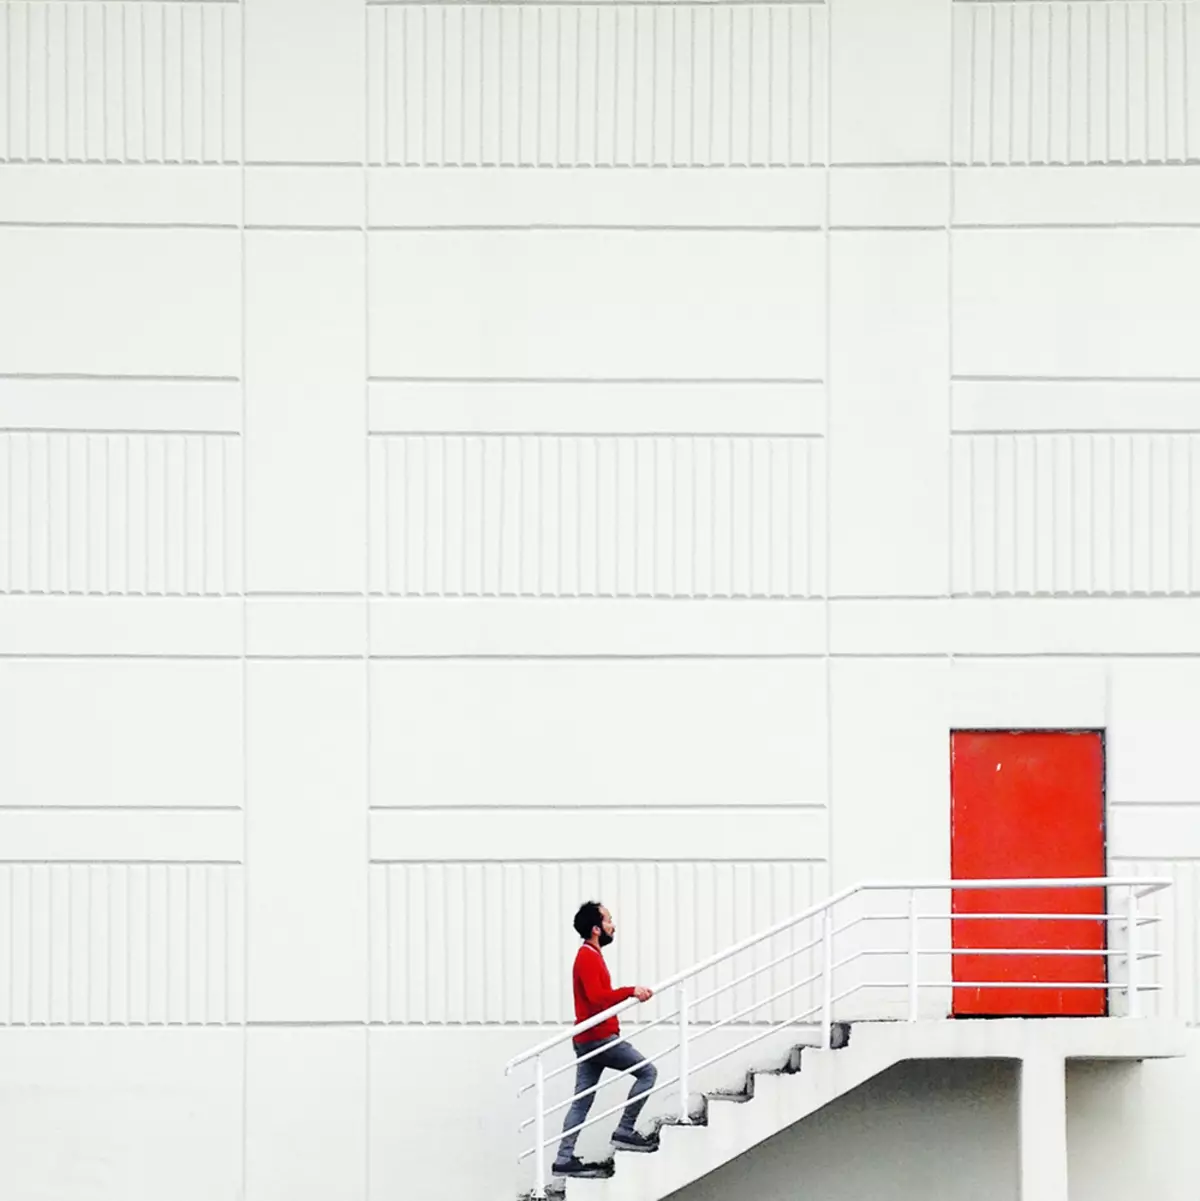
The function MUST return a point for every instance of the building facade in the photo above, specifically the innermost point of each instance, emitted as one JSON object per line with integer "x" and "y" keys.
{"x": 463, "y": 458}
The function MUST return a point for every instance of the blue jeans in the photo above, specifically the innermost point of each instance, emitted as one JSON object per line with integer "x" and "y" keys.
{"x": 616, "y": 1056}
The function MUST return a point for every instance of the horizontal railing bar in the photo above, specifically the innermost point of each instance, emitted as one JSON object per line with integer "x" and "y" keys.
{"x": 1147, "y": 884}
{"x": 1143, "y": 886}
{"x": 757, "y": 1005}
{"x": 1110, "y": 986}
{"x": 766, "y": 967}
{"x": 1035, "y": 917}
{"x": 1115, "y": 954}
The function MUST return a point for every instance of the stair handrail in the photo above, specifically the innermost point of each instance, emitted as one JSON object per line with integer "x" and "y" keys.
{"x": 679, "y": 977}
{"x": 1142, "y": 886}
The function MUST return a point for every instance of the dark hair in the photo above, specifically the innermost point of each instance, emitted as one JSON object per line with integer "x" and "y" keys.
{"x": 587, "y": 919}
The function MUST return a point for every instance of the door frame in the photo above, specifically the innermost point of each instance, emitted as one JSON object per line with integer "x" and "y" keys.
{"x": 1102, "y": 731}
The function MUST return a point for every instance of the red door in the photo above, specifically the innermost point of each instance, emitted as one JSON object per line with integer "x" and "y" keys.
{"x": 1027, "y": 805}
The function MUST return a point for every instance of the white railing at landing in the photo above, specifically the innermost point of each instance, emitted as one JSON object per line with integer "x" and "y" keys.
{"x": 1124, "y": 978}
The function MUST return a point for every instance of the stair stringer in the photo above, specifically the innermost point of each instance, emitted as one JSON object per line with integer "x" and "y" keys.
{"x": 773, "y": 1100}
{"x": 737, "y": 1122}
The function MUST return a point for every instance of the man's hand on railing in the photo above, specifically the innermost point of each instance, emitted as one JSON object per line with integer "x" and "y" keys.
{"x": 643, "y": 994}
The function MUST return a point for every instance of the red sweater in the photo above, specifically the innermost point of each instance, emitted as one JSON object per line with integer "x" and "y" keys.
{"x": 594, "y": 993}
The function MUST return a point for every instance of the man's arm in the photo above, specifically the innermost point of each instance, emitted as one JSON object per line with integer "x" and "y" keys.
{"x": 599, "y": 993}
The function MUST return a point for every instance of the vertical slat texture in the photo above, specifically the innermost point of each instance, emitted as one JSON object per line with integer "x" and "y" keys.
{"x": 1075, "y": 514}
{"x": 136, "y": 82}
{"x": 1075, "y": 81}
{"x": 120, "y": 514}
{"x": 121, "y": 944}
{"x": 435, "y": 959}
{"x": 525, "y": 515}
{"x": 597, "y": 85}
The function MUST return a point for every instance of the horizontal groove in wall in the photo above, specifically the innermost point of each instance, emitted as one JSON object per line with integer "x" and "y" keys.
{"x": 210, "y": 836}
{"x": 595, "y": 627}
{"x": 98, "y": 195}
{"x": 484, "y": 630}
{"x": 1016, "y": 406}
{"x": 577, "y": 3}
{"x": 116, "y": 376}
{"x": 1138, "y": 829}
{"x": 562, "y": 85}
{"x": 631, "y": 199}
{"x": 550, "y": 227}
{"x": 429, "y": 837}
{"x": 135, "y": 407}
{"x": 593, "y": 380}
{"x": 1070, "y": 197}
{"x": 19, "y": 807}
{"x": 93, "y": 224}
{"x": 434, "y": 958}
{"x": 1083, "y": 627}
{"x": 541, "y": 409}
{"x": 1076, "y": 379}
{"x": 731, "y": 809}
{"x": 312, "y": 626}
{"x": 80, "y": 627}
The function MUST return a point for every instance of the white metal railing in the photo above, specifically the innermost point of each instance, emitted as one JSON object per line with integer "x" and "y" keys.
{"x": 826, "y": 942}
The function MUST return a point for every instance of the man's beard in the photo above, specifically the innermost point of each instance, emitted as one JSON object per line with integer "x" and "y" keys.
{"x": 605, "y": 939}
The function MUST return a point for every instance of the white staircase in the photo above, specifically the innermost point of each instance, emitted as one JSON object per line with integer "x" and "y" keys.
{"x": 772, "y": 1100}
{"x": 905, "y": 948}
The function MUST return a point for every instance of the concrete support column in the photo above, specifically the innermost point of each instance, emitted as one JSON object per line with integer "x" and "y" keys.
{"x": 1043, "y": 1128}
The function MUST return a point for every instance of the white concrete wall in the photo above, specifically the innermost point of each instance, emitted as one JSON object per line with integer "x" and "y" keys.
{"x": 458, "y": 458}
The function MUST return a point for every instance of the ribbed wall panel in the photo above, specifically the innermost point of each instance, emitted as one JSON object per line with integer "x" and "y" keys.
{"x": 535, "y": 515}
{"x": 1089, "y": 82}
{"x": 120, "y": 513}
{"x": 138, "y": 82}
{"x": 121, "y": 944}
{"x": 455, "y": 943}
{"x": 1086, "y": 513}
{"x": 597, "y": 85}
{"x": 1177, "y": 936}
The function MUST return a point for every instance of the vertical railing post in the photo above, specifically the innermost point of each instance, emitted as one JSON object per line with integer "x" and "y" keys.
{"x": 827, "y": 978}
{"x": 1134, "y": 1002}
{"x": 539, "y": 1132}
{"x": 683, "y": 1054}
{"x": 913, "y": 957}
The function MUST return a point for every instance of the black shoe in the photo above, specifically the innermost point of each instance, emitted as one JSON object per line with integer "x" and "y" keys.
{"x": 633, "y": 1141}
{"x": 576, "y": 1167}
